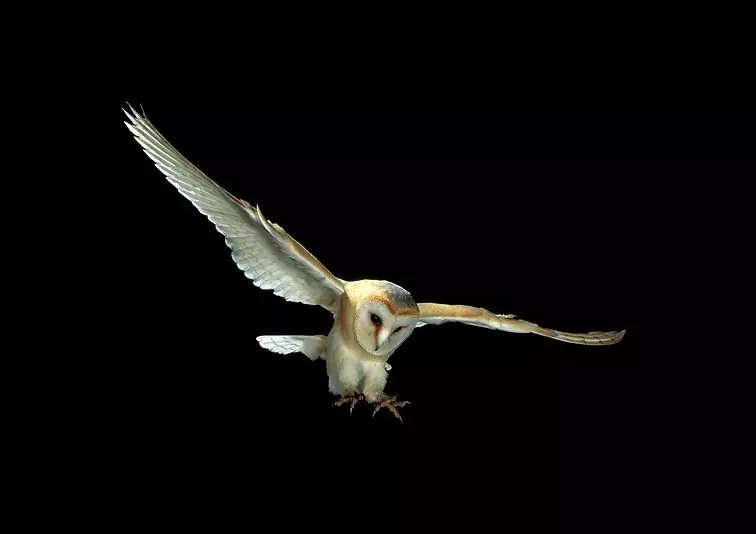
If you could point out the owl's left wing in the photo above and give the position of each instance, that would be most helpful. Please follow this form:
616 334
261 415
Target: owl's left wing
268 255
432 313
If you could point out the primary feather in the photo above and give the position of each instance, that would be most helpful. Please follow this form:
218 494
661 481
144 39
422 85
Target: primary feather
266 254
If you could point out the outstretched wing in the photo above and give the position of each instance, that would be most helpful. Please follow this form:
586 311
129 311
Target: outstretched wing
266 254
431 313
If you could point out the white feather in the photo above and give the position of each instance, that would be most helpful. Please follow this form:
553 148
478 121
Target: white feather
266 254
311 346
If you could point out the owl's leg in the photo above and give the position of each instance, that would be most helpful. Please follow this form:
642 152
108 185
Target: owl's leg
375 380
343 380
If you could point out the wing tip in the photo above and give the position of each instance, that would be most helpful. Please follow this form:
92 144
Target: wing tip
134 111
611 338
134 116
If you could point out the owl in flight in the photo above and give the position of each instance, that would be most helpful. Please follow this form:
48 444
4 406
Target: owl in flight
371 318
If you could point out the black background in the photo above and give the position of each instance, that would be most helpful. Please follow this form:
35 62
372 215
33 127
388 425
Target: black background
559 218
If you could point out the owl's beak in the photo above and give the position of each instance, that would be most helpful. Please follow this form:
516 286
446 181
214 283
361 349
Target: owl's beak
383 335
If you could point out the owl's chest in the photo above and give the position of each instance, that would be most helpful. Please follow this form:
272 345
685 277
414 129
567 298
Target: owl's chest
344 348
349 361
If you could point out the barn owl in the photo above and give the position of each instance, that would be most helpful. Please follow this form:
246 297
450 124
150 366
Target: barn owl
371 318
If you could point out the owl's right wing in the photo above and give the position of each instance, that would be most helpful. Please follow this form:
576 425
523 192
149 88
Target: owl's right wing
432 313
266 254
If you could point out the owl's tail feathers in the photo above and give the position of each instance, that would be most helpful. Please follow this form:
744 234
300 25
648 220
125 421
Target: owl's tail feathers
588 338
311 346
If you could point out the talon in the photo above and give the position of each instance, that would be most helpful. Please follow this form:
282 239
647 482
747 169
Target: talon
350 399
391 404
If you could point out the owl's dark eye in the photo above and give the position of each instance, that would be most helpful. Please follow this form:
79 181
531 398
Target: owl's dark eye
399 328
376 320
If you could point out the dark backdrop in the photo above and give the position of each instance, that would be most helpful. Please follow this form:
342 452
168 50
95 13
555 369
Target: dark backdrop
552 217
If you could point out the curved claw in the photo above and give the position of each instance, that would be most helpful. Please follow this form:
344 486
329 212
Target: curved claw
349 398
391 404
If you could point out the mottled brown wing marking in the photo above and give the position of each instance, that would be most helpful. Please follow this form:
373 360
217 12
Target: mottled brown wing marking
449 311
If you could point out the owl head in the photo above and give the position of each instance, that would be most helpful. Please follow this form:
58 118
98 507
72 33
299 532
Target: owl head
384 316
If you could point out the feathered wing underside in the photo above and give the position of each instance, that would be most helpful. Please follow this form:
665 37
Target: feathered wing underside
311 346
432 313
266 254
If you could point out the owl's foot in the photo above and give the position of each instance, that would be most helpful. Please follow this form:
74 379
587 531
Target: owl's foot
353 399
391 404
